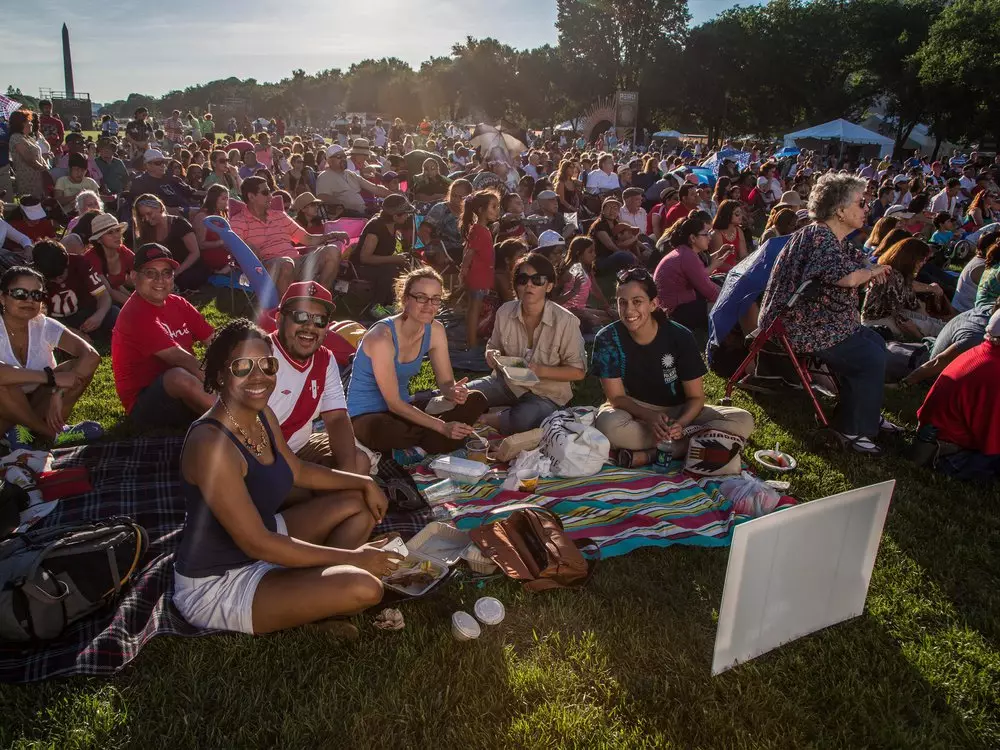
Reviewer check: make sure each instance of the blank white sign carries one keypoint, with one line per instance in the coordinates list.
(797, 571)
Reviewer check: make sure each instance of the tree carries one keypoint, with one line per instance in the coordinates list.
(540, 94)
(441, 88)
(486, 72)
(368, 82)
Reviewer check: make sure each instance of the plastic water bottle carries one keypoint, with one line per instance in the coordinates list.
(664, 452)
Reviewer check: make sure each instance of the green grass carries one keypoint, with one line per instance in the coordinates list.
(623, 663)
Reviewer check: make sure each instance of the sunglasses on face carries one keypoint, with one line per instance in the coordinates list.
(301, 317)
(151, 274)
(241, 367)
(536, 279)
(21, 294)
(632, 274)
(423, 299)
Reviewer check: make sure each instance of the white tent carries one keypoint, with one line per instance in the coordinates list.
(845, 132)
(667, 134)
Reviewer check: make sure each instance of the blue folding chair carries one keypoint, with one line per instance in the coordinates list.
(253, 269)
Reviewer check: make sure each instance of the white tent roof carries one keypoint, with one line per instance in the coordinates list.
(666, 134)
(843, 130)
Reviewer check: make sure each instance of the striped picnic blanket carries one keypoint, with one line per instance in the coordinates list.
(620, 509)
(140, 479)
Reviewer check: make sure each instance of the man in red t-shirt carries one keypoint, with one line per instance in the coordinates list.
(158, 378)
(964, 407)
(77, 296)
(688, 195)
(51, 127)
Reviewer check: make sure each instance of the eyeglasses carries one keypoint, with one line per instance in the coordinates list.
(20, 294)
(632, 274)
(423, 299)
(151, 274)
(536, 279)
(241, 367)
(301, 317)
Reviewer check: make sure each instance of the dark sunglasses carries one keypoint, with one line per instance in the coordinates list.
(21, 294)
(632, 274)
(536, 279)
(301, 317)
(241, 367)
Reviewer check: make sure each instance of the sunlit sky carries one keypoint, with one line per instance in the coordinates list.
(125, 46)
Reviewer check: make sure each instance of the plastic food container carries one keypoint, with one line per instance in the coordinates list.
(440, 542)
(426, 571)
(477, 561)
(464, 627)
(516, 370)
(459, 469)
(439, 492)
(489, 611)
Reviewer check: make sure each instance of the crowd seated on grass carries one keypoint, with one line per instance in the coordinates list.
(77, 296)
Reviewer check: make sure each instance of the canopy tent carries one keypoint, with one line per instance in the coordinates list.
(666, 134)
(845, 132)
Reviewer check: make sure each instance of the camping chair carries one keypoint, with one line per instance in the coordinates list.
(776, 332)
(257, 277)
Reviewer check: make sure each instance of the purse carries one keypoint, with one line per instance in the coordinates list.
(531, 546)
(399, 487)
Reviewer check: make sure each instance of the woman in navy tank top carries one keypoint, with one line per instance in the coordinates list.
(249, 560)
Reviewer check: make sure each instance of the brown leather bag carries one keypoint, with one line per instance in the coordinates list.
(531, 546)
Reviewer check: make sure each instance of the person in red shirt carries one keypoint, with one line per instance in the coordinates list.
(109, 257)
(480, 210)
(687, 202)
(51, 127)
(158, 378)
(34, 223)
(77, 297)
(963, 407)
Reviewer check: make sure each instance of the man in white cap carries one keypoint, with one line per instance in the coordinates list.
(336, 186)
(548, 207)
(961, 412)
(901, 184)
(173, 191)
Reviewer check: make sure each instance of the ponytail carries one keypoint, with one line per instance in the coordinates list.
(681, 231)
(474, 205)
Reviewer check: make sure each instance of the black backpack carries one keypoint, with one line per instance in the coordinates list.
(50, 578)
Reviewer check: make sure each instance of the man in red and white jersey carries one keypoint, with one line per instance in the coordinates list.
(308, 384)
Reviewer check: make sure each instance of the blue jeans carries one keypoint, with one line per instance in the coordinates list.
(526, 412)
(616, 262)
(859, 364)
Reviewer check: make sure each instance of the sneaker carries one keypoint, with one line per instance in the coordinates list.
(82, 432)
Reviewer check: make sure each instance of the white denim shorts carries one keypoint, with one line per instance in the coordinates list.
(223, 602)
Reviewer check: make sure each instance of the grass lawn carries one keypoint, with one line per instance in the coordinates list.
(622, 664)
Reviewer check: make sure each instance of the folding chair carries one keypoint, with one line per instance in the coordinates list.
(777, 332)
(253, 270)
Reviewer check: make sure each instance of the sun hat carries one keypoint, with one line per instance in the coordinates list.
(896, 209)
(303, 200)
(153, 154)
(547, 195)
(763, 182)
(360, 147)
(104, 223)
(308, 290)
(396, 204)
(334, 150)
(32, 208)
(152, 251)
(550, 238)
(791, 198)
(802, 213)
(900, 178)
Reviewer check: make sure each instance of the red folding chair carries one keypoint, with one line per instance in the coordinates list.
(776, 332)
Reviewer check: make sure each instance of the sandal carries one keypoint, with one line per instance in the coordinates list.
(890, 428)
(859, 444)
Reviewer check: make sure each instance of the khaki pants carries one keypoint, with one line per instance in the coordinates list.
(626, 431)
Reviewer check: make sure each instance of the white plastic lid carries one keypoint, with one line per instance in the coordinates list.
(490, 611)
(466, 624)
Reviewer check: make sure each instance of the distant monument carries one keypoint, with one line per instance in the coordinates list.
(68, 64)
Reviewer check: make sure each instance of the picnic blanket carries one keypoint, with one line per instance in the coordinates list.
(140, 479)
(620, 509)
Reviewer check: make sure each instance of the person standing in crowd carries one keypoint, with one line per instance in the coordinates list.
(139, 132)
(37, 394)
(480, 210)
(77, 297)
(384, 415)
(827, 324)
(30, 169)
(157, 377)
(270, 233)
(51, 127)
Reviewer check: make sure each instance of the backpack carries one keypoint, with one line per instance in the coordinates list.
(903, 358)
(50, 578)
(531, 546)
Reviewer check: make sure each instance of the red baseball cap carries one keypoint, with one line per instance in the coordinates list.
(309, 290)
(154, 251)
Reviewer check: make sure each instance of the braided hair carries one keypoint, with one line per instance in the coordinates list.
(226, 339)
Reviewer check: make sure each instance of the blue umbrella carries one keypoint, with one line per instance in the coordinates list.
(789, 151)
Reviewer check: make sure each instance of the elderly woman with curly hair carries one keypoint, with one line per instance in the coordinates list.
(826, 322)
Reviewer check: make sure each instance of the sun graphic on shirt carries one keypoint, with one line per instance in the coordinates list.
(667, 361)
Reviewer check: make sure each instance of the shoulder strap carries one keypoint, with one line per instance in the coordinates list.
(525, 506)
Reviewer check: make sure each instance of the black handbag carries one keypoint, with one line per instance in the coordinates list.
(399, 487)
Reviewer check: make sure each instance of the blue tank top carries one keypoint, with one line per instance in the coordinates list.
(363, 395)
(206, 548)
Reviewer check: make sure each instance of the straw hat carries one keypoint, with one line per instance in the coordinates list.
(303, 200)
(104, 223)
(360, 147)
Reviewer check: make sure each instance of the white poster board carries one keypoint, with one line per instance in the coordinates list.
(797, 571)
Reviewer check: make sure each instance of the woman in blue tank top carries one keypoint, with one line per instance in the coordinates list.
(243, 565)
(383, 413)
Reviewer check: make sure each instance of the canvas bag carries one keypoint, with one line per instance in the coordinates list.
(576, 447)
(531, 546)
(50, 578)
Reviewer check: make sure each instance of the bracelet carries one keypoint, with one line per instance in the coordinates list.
(50, 377)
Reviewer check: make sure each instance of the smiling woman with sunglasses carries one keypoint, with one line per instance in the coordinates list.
(35, 393)
(546, 337)
(252, 559)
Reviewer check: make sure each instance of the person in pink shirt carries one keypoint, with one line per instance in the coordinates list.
(683, 284)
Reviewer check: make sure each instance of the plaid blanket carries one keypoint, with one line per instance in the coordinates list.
(620, 509)
(139, 479)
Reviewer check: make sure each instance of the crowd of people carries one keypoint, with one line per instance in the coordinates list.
(629, 247)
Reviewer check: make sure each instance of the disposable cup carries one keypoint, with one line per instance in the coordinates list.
(489, 611)
(464, 626)
(527, 480)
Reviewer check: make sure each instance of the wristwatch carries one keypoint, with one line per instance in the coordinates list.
(51, 376)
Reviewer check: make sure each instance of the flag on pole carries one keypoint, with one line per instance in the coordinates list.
(8, 105)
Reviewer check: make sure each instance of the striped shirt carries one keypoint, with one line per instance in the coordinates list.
(272, 238)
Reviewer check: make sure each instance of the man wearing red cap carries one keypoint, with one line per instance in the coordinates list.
(308, 384)
(157, 376)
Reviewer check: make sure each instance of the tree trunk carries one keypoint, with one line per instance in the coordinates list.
(937, 147)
